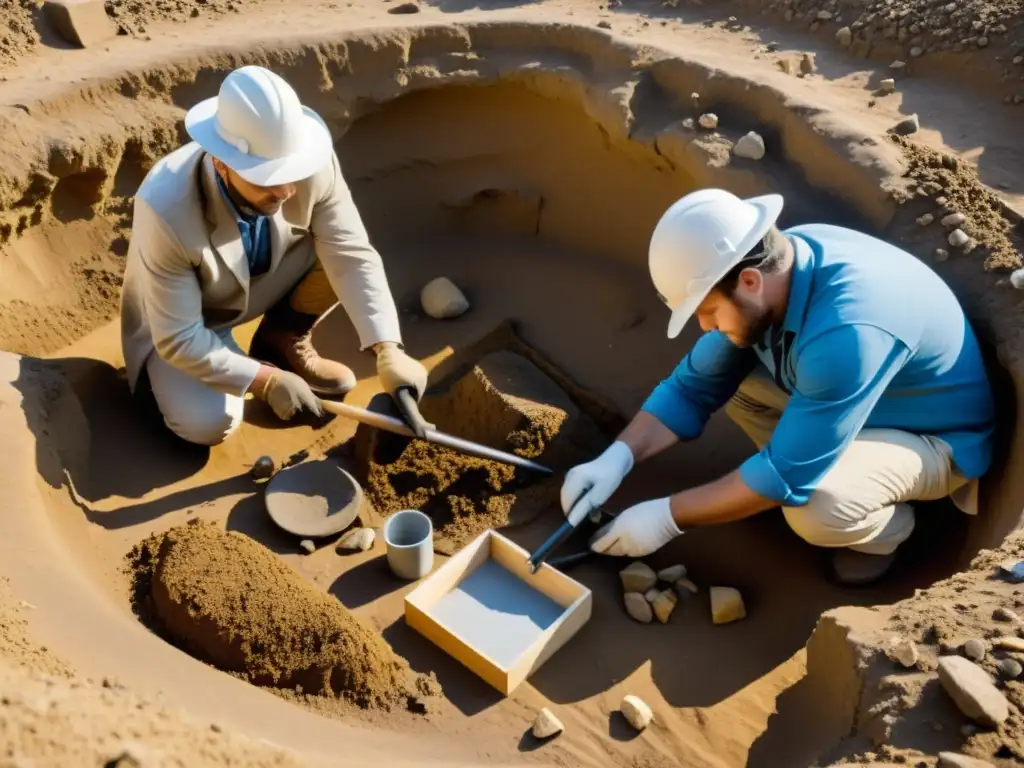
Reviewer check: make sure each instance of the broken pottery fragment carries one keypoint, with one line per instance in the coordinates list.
(664, 604)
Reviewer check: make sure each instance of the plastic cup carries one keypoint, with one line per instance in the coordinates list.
(409, 538)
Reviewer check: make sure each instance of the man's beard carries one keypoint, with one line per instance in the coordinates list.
(759, 321)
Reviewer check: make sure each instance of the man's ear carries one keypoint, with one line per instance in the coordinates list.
(751, 280)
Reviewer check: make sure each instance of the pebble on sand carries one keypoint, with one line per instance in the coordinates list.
(953, 220)
(903, 652)
(308, 546)
(1017, 278)
(636, 712)
(906, 126)
(973, 691)
(958, 238)
(844, 36)
(898, 64)
(1005, 614)
(405, 8)
(956, 760)
(688, 585)
(638, 607)
(442, 299)
(546, 724)
(750, 146)
(664, 604)
(1010, 669)
(652, 594)
(358, 540)
(637, 577)
(925, 220)
(888, 85)
(672, 574)
(262, 468)
(1010, 643)
(941, 254)
(708, 121)
(974, 649)
(726, 605)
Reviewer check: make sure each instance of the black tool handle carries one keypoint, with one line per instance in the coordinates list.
(564, 532)
(405, 397)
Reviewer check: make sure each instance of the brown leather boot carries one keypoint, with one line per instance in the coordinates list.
(284, 339)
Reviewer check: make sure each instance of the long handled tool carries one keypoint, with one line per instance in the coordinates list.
(399, 427)
(564, 531)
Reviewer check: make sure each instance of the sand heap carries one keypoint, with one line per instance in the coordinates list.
(505, 402)
(229, 601)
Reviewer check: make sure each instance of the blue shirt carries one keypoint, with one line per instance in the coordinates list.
(871, 338)
(255, 231)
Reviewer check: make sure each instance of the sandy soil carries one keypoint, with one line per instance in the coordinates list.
(535, 193)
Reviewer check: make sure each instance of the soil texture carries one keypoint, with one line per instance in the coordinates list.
(231, 602)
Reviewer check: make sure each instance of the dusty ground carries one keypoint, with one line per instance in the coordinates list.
(723, 696)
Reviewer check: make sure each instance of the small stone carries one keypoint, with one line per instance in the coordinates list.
(975, 649)
(750, 146)
(941, 254)
(262, 468)
(664, 604)
(844, 36)
(953, 220)
(941, 200)
(604, 24)
(672, 574)
(442, 299)
(906, 126)
(546, 724)
(695, 96)
(636, 712)
(824, 16)
(357, 540)
(405, 8)
(652, 594)
(726, 605)
(983, 42)
(925, 220)
(952, 162)
(955, 760)
(903, 652)
(708, 121)
(638, 607)
(807, 64)
(688, 123)
(973, 691)
(1010, 643)
(307, 546)
(688, 585)
(898, 65)
(888, 85)
(638, 577)
(1010, 669)
(1018, 60)
(916, 51)
(958, 238)
(1017, 278)
(1005, 614)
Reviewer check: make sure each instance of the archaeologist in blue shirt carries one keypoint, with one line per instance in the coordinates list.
(848, 363)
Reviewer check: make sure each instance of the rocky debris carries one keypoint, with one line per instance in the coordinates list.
(307, 546)
(84, 23)
(958, 238)
(953, 220)
(686, 584)
(903, 652)
(672, 574)
(941, 254)
(636, 712)
(652, 594)
(750, 146)
(708, 121)
(888, 85)
(726, 605)
(356, 540)
(916, 51)
(973, 691)
(262, 468)
(664, 604)
(954, 760)
(442, 299)
(906, 126)
(807, 64)
(1017, 278)
(974, 649)
(844, 36)
(546, 724)
(638, 607)
(1009, 669)
(638, 577)
(925, 220)
(405, 8)
(1010, 643)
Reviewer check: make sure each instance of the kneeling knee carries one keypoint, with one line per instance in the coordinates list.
(815, 525)
(209, 431)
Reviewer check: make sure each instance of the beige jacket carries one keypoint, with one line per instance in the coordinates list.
(187, 276)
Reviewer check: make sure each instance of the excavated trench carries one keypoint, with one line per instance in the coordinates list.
(529, 167)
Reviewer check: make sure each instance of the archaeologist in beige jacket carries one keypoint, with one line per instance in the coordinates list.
(253, 217)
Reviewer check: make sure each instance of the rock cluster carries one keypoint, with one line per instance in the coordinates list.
(645, 598)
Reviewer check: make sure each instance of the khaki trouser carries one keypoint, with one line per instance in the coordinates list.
(860, 503)
(200, 414)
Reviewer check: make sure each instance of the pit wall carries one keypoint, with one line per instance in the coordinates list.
(76, 156)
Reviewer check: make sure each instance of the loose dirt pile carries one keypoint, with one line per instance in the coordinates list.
(132, 17)
(231, 602)
(505, 402)
(18, 34)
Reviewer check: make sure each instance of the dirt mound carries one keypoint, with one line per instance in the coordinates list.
(230, 601)
(133, 17)
(505, 402)
(18, 34)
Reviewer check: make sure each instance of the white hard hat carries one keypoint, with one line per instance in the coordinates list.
(257, 127)
(698, 240)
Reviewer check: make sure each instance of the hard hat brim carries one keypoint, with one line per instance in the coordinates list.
(768, 207)
(315, 150)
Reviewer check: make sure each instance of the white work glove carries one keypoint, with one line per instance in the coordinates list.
(396, 370)
(286, 393)
(637, 531)
(589, 485)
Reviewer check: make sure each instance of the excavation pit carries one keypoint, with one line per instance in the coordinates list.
(531, 175)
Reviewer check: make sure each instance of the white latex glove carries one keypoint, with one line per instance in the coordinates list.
(589, 485)
(396, 369)
(638, 531)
